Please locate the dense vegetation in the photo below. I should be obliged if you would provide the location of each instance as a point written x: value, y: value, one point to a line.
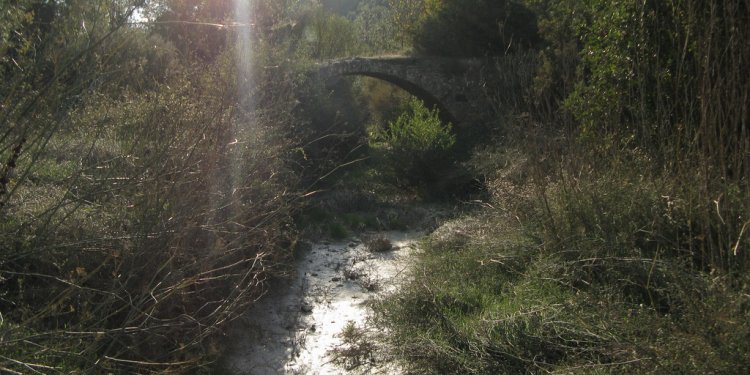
x: 160, y: 159
x: 615, y: 234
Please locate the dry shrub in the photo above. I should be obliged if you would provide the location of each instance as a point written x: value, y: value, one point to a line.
x: 357, y: 350
x: 167, y: 226
x: 378, y: 244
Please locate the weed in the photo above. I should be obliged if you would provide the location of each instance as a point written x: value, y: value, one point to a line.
x: 378, y: 244
x: 356, y: 350
x: 351, y: 274
x: 370, y: 283
x: 337, y: 230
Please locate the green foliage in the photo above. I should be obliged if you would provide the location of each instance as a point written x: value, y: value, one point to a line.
x: 615, y: 88
x: 407, y: 15
x: 343, y: 7
x: 328, y: 36
x: 356, y: 350
x: 12, y: 40
x: 149, y: 59
x: 644, y: 77
x: 52, y: 65
x: 149, y: 209
x: 376, y: 33
x: 615, y: 234
x: 144, y: 198
x: 418, y: 130
x: 194, y: 26
x: 416, y: 146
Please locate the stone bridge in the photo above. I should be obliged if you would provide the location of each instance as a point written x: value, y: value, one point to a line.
x: 457, y: 87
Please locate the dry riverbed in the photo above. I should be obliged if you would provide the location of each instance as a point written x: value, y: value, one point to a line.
x: 297, y: 329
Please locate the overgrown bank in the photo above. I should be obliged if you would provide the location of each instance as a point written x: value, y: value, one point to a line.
x: 614, y: 238
x: 146, y: 182
x: 583, y: 279
x: 154, y: 156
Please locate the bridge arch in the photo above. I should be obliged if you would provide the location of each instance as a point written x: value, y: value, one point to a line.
x: 455, y: 86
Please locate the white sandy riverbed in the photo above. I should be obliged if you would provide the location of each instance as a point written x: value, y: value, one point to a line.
x: 293, y: 329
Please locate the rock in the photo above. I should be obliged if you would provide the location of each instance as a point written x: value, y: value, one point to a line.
x: 306, y: 308
x: 336, y: 279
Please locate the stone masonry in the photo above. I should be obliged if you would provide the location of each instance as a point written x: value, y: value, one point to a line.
x: 457, y: 87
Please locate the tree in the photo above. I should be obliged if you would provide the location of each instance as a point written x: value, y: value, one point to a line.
x: 196, y: 27
x: 475, y: 28
x: 377, y: 33
x: 329, y: 35
x: 407, y: 15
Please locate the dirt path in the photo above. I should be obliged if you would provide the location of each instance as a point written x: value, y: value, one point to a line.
x: 293, y: 330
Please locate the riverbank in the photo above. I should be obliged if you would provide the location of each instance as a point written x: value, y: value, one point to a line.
x: 581, y: 281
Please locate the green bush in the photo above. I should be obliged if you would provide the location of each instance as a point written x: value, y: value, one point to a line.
x: 416, y: 147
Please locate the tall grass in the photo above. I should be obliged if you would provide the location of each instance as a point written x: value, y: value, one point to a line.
x: 664, y: 81
x: 486, y: 298
x: 582, y: 270
x: 137, y: 219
